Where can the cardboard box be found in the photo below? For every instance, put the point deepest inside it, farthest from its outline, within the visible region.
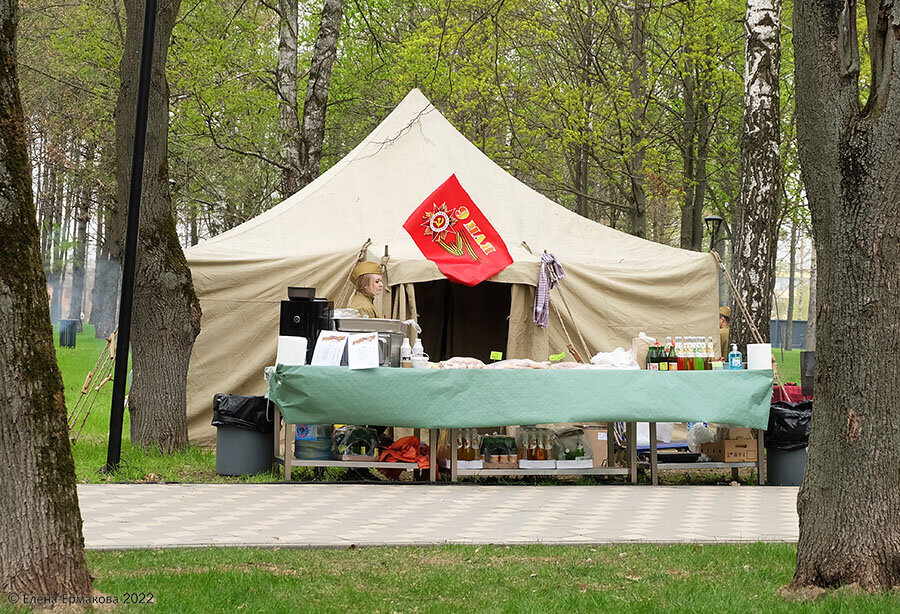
(731, 451)
(740, 433)
(597, 437)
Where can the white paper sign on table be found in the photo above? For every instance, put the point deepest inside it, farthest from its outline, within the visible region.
(291, 351)
(329, 348)
(363, 352)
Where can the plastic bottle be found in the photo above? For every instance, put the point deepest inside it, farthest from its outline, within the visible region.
(417, 350)
(405, 354)
(735, 359)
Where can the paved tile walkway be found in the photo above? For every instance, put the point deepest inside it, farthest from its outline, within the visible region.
(338, 515)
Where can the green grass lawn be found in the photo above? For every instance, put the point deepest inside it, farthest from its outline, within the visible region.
(194, 464)
(539, 579)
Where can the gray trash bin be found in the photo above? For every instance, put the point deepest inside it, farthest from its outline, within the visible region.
(67, 330)
(243, 452)
(785, 467)
(244, 440)
(786, 440)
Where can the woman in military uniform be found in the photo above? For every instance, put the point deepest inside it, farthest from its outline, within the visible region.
(366, 276)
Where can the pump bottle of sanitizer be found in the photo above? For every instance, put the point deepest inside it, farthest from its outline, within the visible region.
(735, 359)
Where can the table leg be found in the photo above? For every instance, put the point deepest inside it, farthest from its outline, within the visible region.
(654, 467)
(631, 446)
(276, 431)
(610, 444)
(735, 474)
(432, 455)
(453, 435)
(760, 456)
(288, 452)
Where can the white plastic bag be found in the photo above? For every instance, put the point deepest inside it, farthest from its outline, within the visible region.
(619, 358)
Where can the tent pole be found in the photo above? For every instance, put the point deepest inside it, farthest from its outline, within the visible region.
(117, 410)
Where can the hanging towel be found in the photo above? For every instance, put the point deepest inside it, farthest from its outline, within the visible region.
(551, 273)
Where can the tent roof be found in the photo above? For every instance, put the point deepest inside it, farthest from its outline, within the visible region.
(372, 191)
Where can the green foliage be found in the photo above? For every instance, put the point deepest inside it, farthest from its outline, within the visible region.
(541, 87)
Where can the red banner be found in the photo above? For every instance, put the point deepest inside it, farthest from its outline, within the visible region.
(453, 233)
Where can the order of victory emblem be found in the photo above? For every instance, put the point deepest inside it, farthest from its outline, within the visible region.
(440, 223)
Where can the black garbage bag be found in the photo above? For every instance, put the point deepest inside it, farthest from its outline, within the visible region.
(251, 413)
(789, 425)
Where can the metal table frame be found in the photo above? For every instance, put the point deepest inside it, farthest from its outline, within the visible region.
(630, 471)
(288, 460)
(655, 467)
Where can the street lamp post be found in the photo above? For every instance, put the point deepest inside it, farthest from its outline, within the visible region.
(713, 223)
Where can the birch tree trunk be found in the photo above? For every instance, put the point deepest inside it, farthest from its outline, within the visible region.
(286, 83)
(756, 240)
(42, 550)
(849, 502)
(166, 316)
(312, 133)
(792, 267)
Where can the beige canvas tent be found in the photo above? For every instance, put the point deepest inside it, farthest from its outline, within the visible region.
(616, 285)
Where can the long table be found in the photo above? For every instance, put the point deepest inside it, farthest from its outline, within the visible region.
(472, 398)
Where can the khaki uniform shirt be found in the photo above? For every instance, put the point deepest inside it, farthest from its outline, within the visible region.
(364, 305)
(723, 340)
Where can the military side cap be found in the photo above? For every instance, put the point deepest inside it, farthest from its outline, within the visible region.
(364, 268)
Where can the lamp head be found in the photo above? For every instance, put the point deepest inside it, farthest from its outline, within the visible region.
(713, 223)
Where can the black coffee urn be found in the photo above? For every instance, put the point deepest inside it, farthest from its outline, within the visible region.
(304, 315)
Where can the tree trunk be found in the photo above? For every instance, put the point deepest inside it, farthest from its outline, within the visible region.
(701, 179)
(166, 317)
(54, 236)
(312, 133)
(792, 267)
(82, 217)
(638, 87)
(811, 311)
(107, 274)
(756, 240)
(286, 82)
(42, 550)
(849, 502)
(688, 130)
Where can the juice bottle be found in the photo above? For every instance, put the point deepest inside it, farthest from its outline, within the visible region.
(679, 353)
(670, 355)
(699, 354)
(541, 451)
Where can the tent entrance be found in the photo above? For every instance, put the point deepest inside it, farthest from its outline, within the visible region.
(457, 320)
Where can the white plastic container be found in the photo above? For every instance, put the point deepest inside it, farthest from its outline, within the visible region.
(405, 354)
(417, 350)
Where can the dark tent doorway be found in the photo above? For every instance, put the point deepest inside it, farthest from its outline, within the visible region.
(457, 320)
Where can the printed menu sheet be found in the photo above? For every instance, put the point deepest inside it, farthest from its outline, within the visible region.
(363, 352)
(329, 348)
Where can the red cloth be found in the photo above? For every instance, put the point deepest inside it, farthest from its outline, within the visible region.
(453, 233)
(405, 450)
(789, 392)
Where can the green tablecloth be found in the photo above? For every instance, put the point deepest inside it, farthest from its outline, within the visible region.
(464, 398)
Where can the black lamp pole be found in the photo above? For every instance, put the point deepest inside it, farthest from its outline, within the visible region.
(123, 340)
(713, 223)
